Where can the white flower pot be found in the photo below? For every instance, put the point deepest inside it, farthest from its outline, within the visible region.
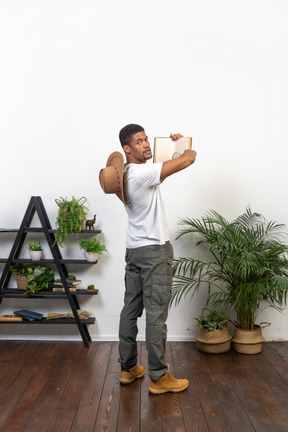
(35, 255)
(91, 257)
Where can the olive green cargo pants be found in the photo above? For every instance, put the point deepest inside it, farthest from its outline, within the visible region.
(148, 281)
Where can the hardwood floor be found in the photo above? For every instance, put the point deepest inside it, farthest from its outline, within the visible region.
(63, 386)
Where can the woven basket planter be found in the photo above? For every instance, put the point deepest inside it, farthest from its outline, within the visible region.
(248, 341)
(213, 341)
(21, 282)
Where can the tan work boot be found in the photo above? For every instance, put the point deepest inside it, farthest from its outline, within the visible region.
(129, 377)
(168, 384)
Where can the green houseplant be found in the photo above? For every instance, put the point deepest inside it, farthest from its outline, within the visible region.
(213, 335)
(37, 277)
(246, 270)
(35, 249)
(71, 216)
(215, 320)
(21, 272)
(93, 248)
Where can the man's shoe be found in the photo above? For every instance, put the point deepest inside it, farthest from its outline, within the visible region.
(129, 377)
(168, 384)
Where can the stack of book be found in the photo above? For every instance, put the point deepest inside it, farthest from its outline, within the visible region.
(28, 315)
(72, 284)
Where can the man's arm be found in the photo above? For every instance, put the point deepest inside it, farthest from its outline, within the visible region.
(174, 165)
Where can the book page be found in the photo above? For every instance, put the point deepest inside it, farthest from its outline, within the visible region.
(166, 149)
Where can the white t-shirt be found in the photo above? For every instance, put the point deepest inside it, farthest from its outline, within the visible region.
(146, 215)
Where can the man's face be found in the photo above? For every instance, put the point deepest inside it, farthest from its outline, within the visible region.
(139, 149)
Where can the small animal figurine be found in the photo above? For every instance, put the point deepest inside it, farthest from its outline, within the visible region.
(90, 223)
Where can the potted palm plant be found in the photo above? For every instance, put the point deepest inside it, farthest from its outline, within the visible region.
(246, 270)
(93, 248)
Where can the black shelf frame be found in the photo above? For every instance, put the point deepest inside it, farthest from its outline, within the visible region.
(36, 206)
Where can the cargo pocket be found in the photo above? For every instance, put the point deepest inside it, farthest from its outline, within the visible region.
(161, 291)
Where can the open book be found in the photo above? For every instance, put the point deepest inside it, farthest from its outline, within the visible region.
(166, 149)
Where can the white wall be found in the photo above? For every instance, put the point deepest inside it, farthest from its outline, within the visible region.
(73, 73)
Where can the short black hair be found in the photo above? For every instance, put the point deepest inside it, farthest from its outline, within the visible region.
(126, 133)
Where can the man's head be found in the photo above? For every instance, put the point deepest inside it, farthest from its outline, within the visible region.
(135, 144)
(126, 133)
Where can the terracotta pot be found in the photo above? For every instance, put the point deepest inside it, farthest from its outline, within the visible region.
(21, 282)
(248, 341)
(213, 341)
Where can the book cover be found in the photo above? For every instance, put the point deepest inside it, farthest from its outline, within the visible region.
(59, 282)
(10, 318)
(61, 289)
(166, 149)
(28, 315)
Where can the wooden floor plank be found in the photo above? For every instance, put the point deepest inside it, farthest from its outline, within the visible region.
(130, 403)
(107, 416)
(10, 354)
(129, 408)
(37, 385)
(32, 360)
(171, 413)
(64, 414)
(193, 414)
(235, 412)
(276, 362)
(211, 404)
(52, 393)
(108, 411)
(18, 360)
(275, 381)
(65, 387)
(150, 414)
(86, 414)
(254, 393)
(281, 350)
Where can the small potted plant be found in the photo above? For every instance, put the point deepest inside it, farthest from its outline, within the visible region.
(213, 335)
(32, 279)
(71, 216)
(93, 248)
(21, 272)
(38, 278)
(35, 250)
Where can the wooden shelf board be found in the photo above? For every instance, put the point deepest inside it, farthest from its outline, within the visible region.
(52, 261)
(40, 229)
(52, 321)
(15, 293)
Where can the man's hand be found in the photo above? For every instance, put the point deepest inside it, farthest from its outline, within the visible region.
(175, 137)
(174, 165)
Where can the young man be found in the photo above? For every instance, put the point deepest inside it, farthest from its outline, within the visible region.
(149, 257)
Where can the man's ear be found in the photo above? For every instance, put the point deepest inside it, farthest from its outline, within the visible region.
(126, 148)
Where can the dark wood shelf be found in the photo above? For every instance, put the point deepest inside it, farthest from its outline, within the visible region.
(51, 261)
(90, 320)
(40, 229)
(15, 293)
(48, 261)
